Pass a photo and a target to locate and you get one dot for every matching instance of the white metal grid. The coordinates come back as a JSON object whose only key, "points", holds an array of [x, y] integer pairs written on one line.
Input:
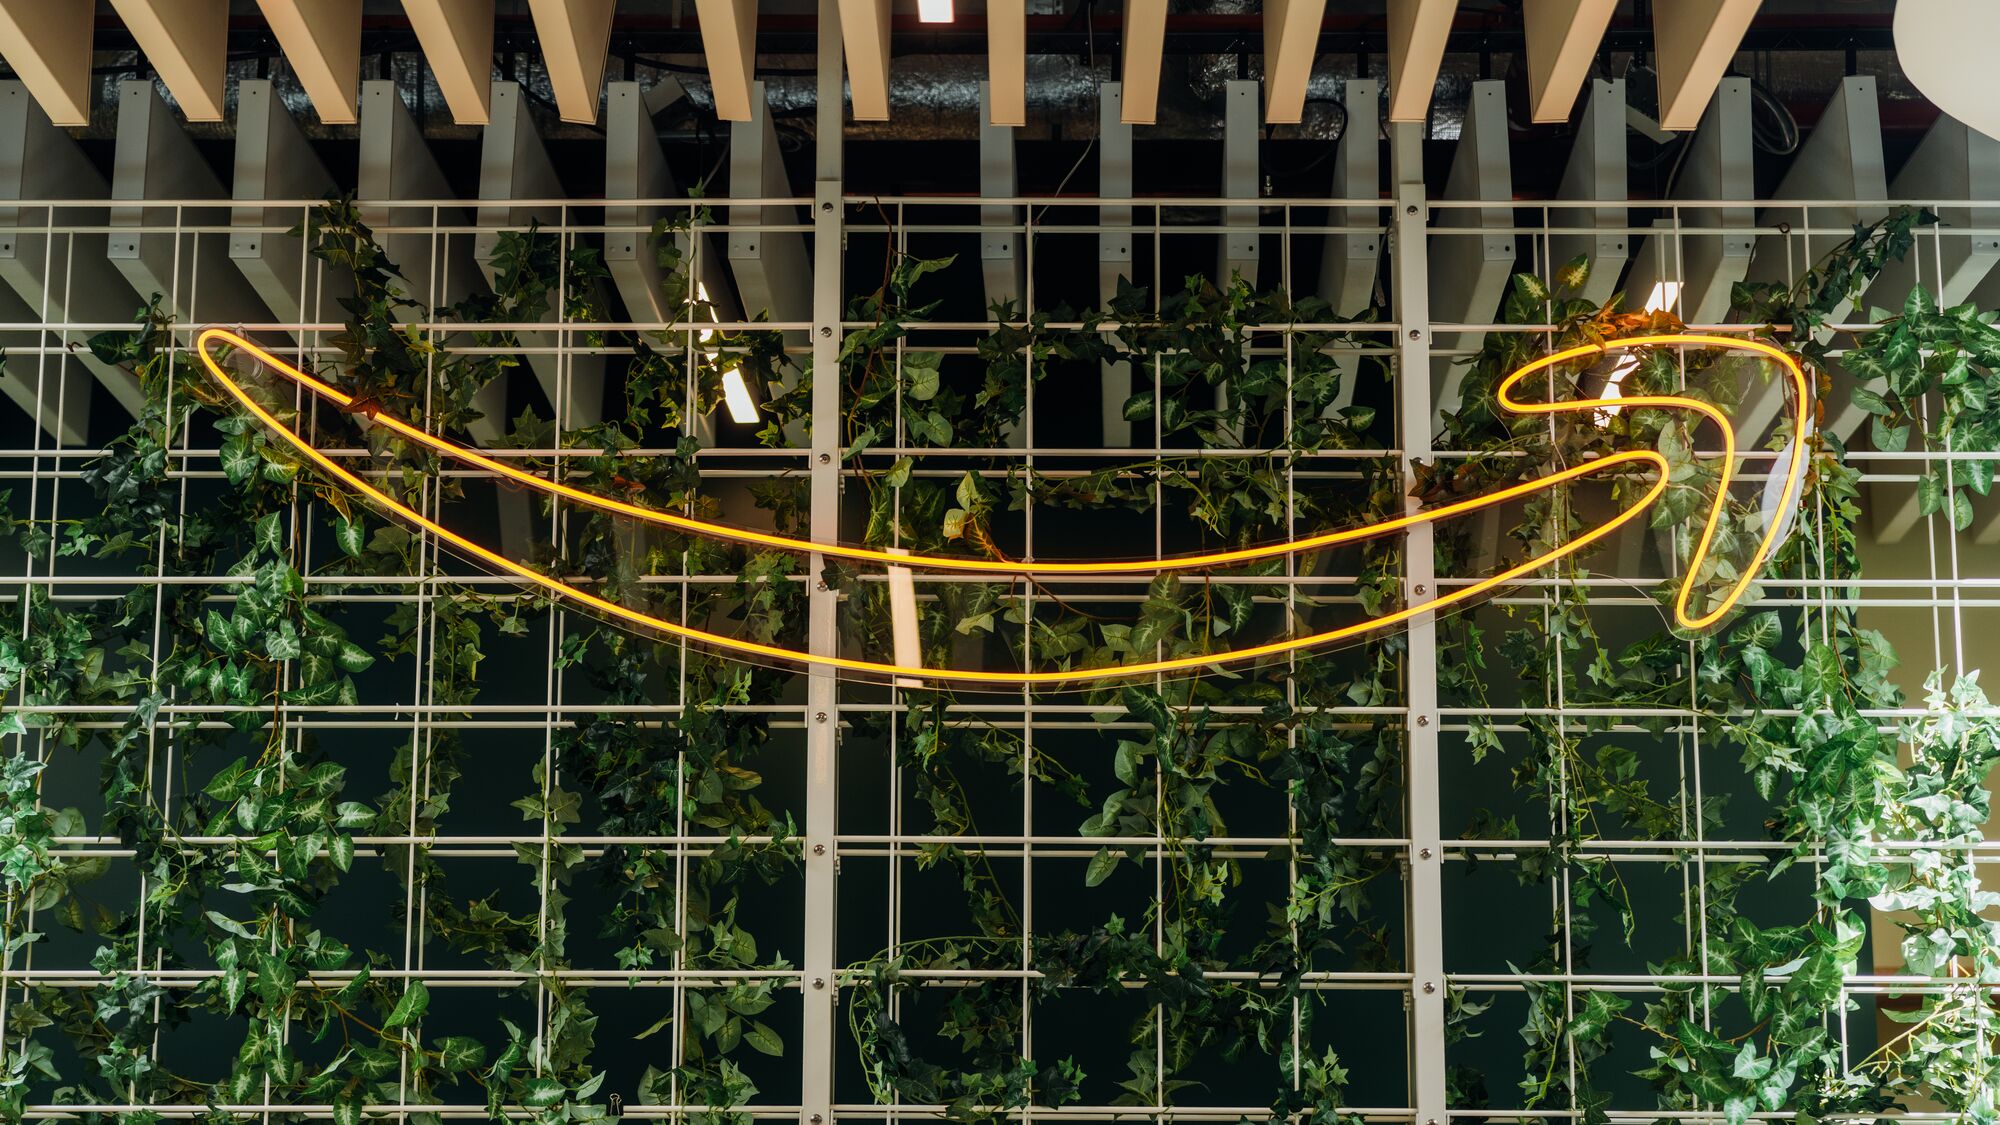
{"points": [[1947, 593]]}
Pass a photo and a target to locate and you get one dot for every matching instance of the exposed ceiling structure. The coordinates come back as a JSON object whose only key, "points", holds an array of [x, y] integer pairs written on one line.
{"points": [[187, 44], [1618, 108]]}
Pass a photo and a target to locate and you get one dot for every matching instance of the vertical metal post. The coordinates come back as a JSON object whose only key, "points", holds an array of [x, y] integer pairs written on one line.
{"points": [[821, 987], [1410, 274]]}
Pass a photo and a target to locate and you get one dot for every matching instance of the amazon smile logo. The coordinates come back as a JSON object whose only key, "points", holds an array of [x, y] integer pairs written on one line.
{"points": [[1787, 498]]}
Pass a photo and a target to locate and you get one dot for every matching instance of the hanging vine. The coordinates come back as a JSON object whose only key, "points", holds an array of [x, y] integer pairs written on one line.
{"points": [[316, 1019]]}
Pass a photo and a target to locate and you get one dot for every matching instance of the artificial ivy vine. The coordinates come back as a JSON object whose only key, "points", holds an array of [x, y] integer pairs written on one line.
{"points": [[176, 672]]}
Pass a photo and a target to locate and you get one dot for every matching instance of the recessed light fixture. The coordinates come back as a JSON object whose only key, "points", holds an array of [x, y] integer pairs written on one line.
{"points": [[934, 11], [1663, 296], [736, 396]]}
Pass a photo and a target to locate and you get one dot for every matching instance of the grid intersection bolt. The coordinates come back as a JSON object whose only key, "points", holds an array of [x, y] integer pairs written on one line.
{"points": [[1423, 853], [1429, 988], [1410, 210], [1423, 720], [1422, 589], [826, 458], [820, 586], [1416, 333], [819, 982], [819, 716], [819, 849], [826, 209], [816, 1119], [826, 331]]}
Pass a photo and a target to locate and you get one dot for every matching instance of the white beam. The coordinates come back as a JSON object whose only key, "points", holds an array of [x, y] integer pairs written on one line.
{"points": [[1350, 261], [1142, 47], [1114, 247], [1840, 159], [154, 159], [49, 48], [1719, 164], [1693, 43], [729, 39], [635, 167], [396, 164], [1000, 258], [1469, 271], [436, 270], [514, 164], [1002, 264], [1240, 133], [1291, 42], [1241, 243], [457, 41], [1007, 62], [1562, 39], [864, 34], [575, 36], [58, 277], [1596, 170], [187, 41], [275, 161], [322, 42], [1952, 162], [1417, 33], [772, 271], [52, 388]]}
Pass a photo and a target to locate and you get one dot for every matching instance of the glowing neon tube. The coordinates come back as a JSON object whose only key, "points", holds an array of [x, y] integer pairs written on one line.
{"points": [[388, 504]]}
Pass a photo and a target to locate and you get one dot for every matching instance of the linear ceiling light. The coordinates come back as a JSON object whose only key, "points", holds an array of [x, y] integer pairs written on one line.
{"points": [[1794, 478]]}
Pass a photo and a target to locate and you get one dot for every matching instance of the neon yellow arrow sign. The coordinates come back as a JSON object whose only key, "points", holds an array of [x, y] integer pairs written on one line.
{"points": [[396, 509]]}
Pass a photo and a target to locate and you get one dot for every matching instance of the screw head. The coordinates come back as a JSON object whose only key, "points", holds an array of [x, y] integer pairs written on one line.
{"points": [[826, 208], [1429, 988], [1422, 589], [819, 982], [819, 849], [819, 716], [1410, 210], [826, 458], [1416, 333], [816, 1119], [826, 331], [1423, 853], [820, 586], [1423, 720]]}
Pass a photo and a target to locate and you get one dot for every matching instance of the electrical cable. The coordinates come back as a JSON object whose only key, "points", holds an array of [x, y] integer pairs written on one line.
{"points": [[1779, 134]]}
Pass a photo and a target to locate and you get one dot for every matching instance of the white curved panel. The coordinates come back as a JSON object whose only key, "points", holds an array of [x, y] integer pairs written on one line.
{"points": [[1947, 48]]}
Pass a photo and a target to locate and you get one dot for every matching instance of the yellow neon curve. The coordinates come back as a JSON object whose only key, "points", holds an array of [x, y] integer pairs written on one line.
{"points": [[1794, 476]]}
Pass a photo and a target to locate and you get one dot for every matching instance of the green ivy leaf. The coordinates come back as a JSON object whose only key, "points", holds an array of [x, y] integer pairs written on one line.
{"points": [[350, 535], [540, 1093], [763, 1039], [458, 1053], [347, 1106], [410, 1006], [1101, 866]]}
